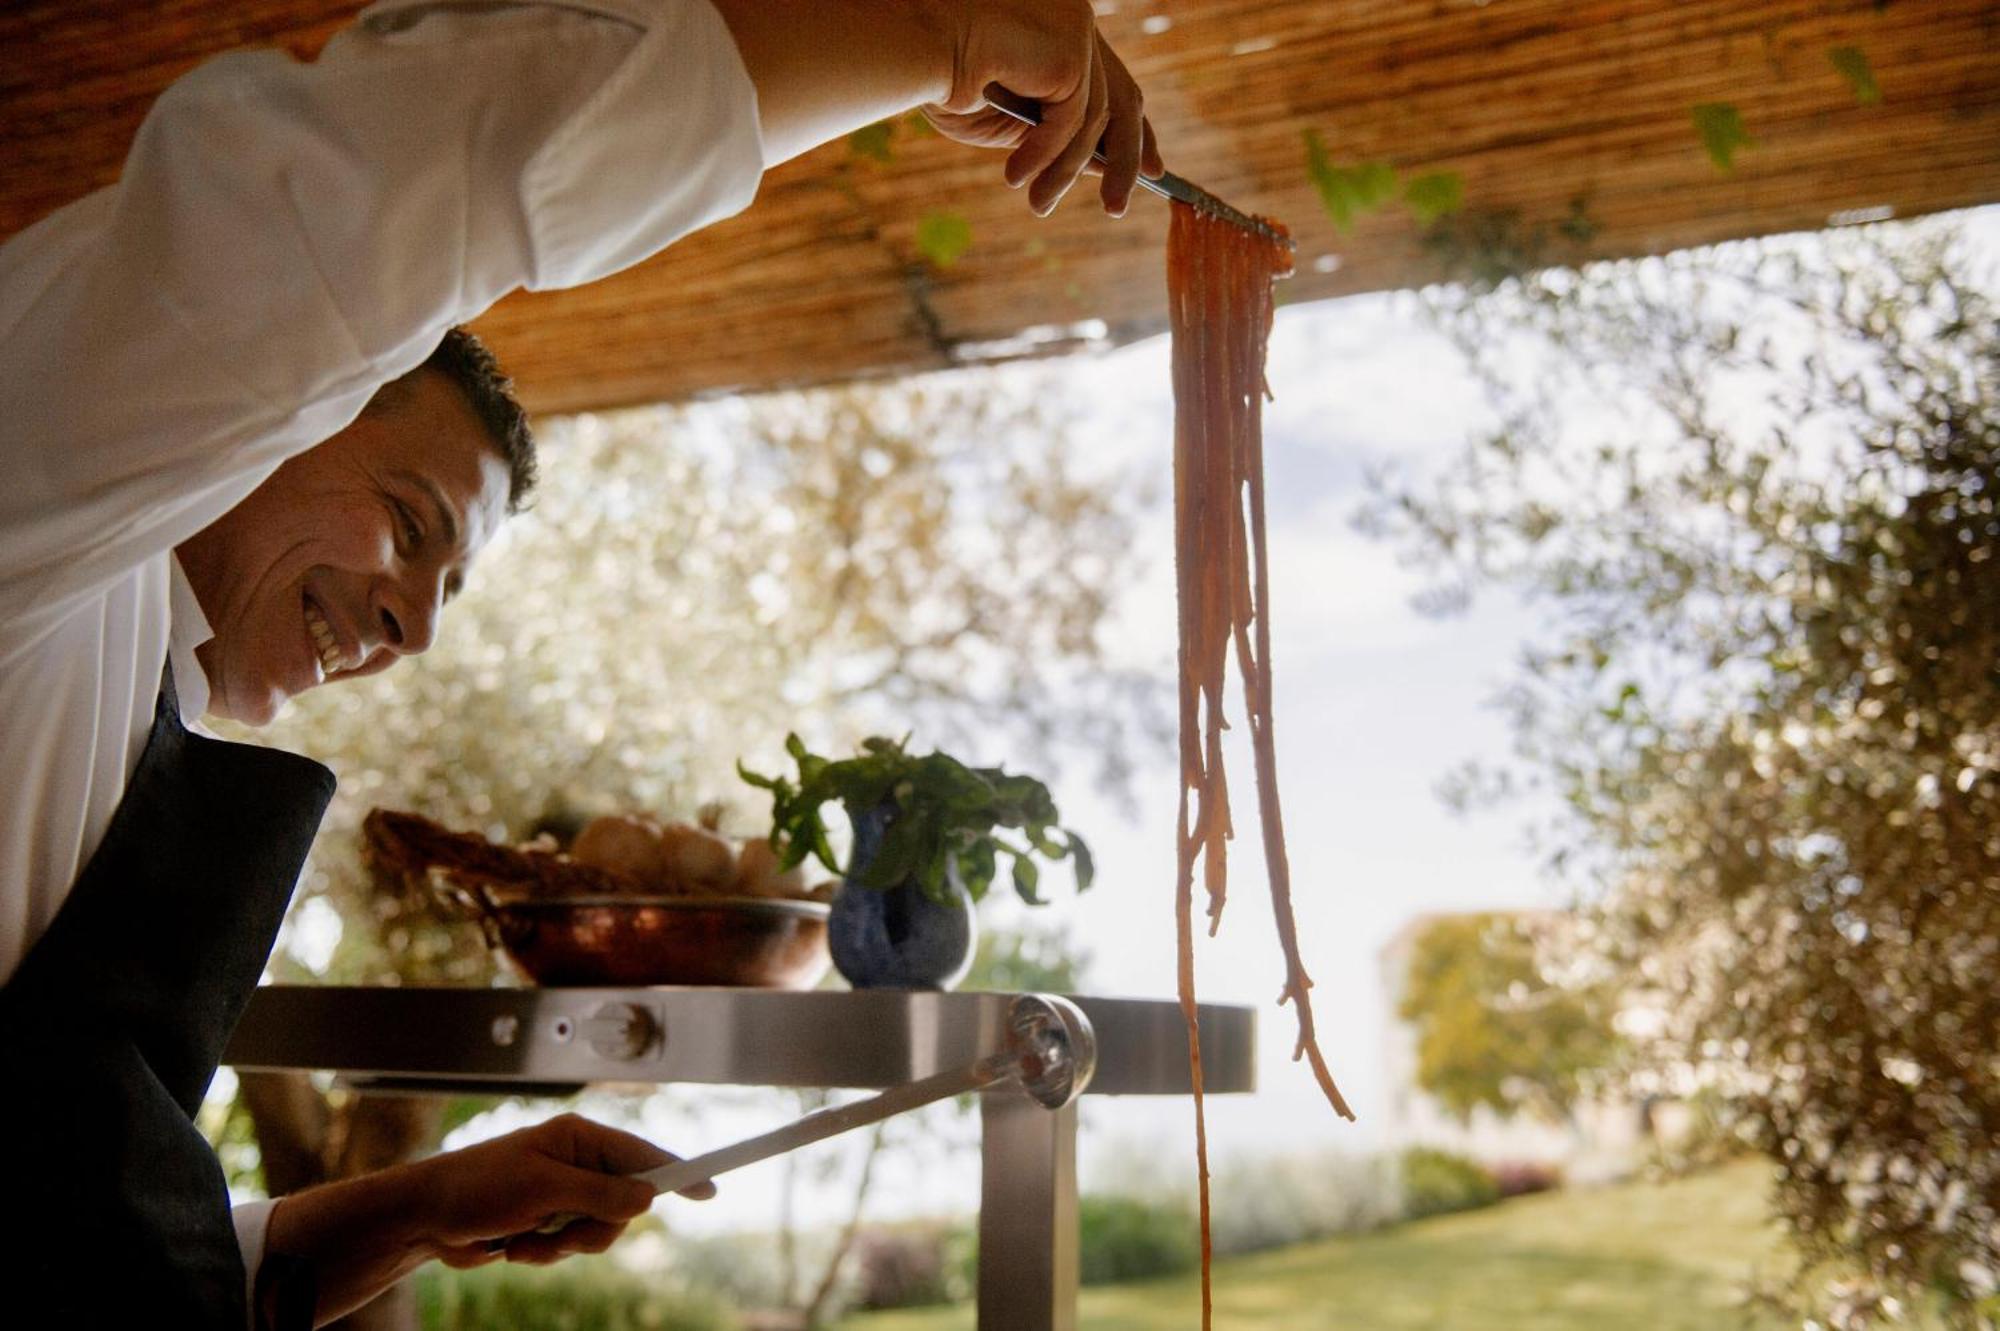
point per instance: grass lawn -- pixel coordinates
(1650, 1257)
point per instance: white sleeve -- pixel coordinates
(286, 237)
(253, 1222)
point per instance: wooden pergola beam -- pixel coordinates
(1561, 118)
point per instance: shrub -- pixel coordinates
(1267, 1202)
(909, 1266)
(1123, 1238)
(741, 1270)
(1517, 1178)
(580, 1295)
(1435, 1182)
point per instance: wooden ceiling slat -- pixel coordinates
(1536, 104)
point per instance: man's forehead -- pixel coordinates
(433, 440)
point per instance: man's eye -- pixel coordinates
(413, 535)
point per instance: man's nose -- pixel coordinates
(408, 613)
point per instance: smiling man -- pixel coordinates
(246, 455)
(341, 562)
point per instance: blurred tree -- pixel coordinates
(1494, 1026)
(1755, 488)
(691, 584)
(1028, 957)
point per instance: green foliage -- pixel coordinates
(233, 1135)
(1767, 697)
(876, 143)
(871, 143)
(1346, 192)
(916, 1264)
(583, 1294)
(1720, 125)
(1437, 1182)
(1483, 247)
(1123, 1238)
(1493, 1026)
(1853, 65)
(1030, 959)
(1278, 1200)
(1434, 196)
(1645, 1256)
(943, 238)
(1119, 1239)
(944, 816)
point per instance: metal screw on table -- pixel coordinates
(622, 1031)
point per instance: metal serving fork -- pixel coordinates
(1167, 186)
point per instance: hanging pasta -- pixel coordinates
(1219, 290)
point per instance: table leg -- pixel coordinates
(1027, 1216)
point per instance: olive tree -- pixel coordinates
(1499, 1021)
(1754, 491)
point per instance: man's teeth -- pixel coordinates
(323, 639)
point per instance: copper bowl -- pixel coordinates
(622, 939)
(565, 923)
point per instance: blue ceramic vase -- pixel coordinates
(897, 938)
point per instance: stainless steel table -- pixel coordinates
(523, 1041)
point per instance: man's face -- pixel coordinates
(341, 562)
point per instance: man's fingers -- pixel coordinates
(465, 1256)
(1124, 136)
(568, 1189)
(985, 128)
(1151, 164)
(536, 1249)
(1064, 116)
(1040, 146)
(607, 1150)
(1055, 180)
(623, 1154)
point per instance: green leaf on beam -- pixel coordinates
(943, 238)
(1853, 66)
(1435, 196)
(1720, 125)
(1346, 192)
(871, 142)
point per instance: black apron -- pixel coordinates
(115, 1021)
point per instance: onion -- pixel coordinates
(624, 845)
(698, 861)
(757, 873)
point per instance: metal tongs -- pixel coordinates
(1167, 186)
(1050, 1051)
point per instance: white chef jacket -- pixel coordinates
(286, 238)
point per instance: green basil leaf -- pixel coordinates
(1026, 878)
(1086, 867)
